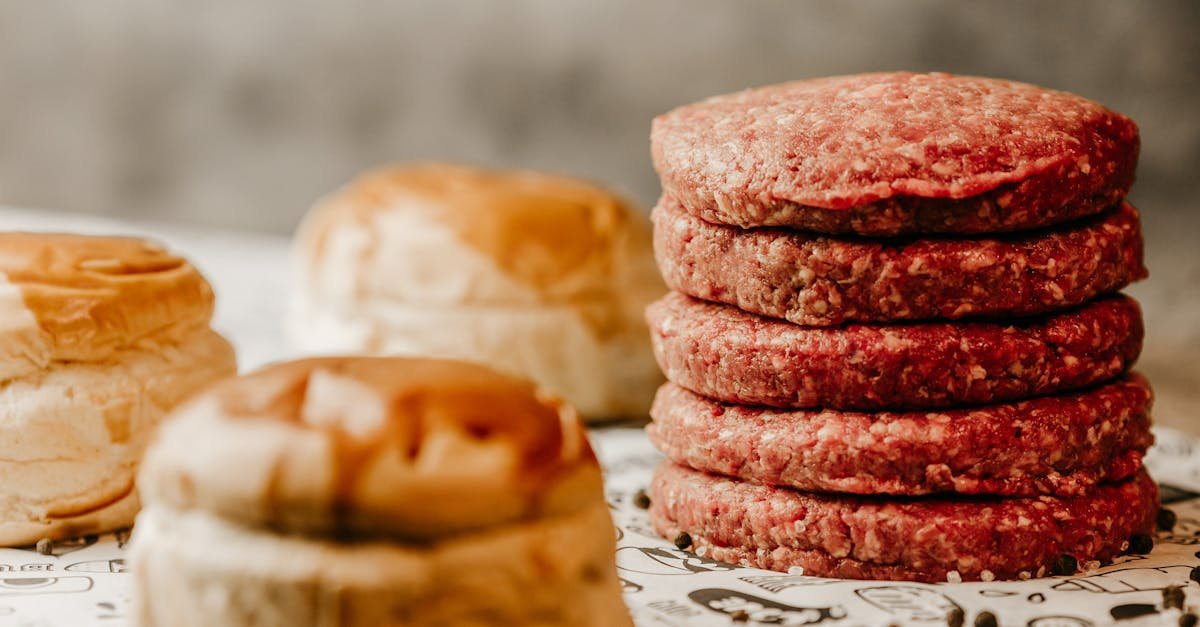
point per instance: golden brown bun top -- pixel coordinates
(90, 295)
(403, 447)
(544, 230)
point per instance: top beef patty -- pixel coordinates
(895, 153)
(823, 280)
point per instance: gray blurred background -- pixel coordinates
(239, 114)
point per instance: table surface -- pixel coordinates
(85, 583)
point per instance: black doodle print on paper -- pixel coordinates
(909, 603)
(1186, 532)
(1036, 597)
(25, 586)
(107, 610)
(639, 527)
(1185, 540)
(1132, 610)
(614, 498)
(99, 566)
(673, 608)
(629, 587)
(1139, 579)
(656, 561)
(779, 583)
(1121, 560)
(763, 611)
(58, 548)
(1179, 448)
(1059, 621)
(1169, 494)
(996, 594)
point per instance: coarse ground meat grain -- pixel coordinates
(924, 539)
(820, 280)
(895, 153)
(1062, 445)
(738, 357)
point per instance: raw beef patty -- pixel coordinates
(821, 280)
(895, 153)
(1061, 445)
(730, 355)
(928, 539)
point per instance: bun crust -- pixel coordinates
(374, 491)
(558, 236)
(414, 449)
(538, 275)
(467, 248)
(99, 338)
(89, 296)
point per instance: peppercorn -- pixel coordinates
(44, 547)
(985, 619)
(955, 617)
(683, 540)
(1065, 565)
(641, 500)
(1166, 519)
(1172, 597)
(1140, 544)
(740, 616)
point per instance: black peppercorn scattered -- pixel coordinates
(955, 617)
(1140, 544)
(1172, 597)
(44, 547)
(1166, 519)
(641, 500)
(1187, 620)
(1065, 565)
(740, 616)
(985, 619)
(683, 541)
(1195, 574)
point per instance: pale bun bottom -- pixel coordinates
(606, 374)
(116, 515)
(72, 434)
(191, 568)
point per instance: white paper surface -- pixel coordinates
(86, 583)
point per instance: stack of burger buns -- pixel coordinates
(99, 338)
(374, 491)
(895, 347)
(538, 275)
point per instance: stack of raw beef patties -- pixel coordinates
(895, 347)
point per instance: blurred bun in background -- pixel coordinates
(372, 492)
(536, 274)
